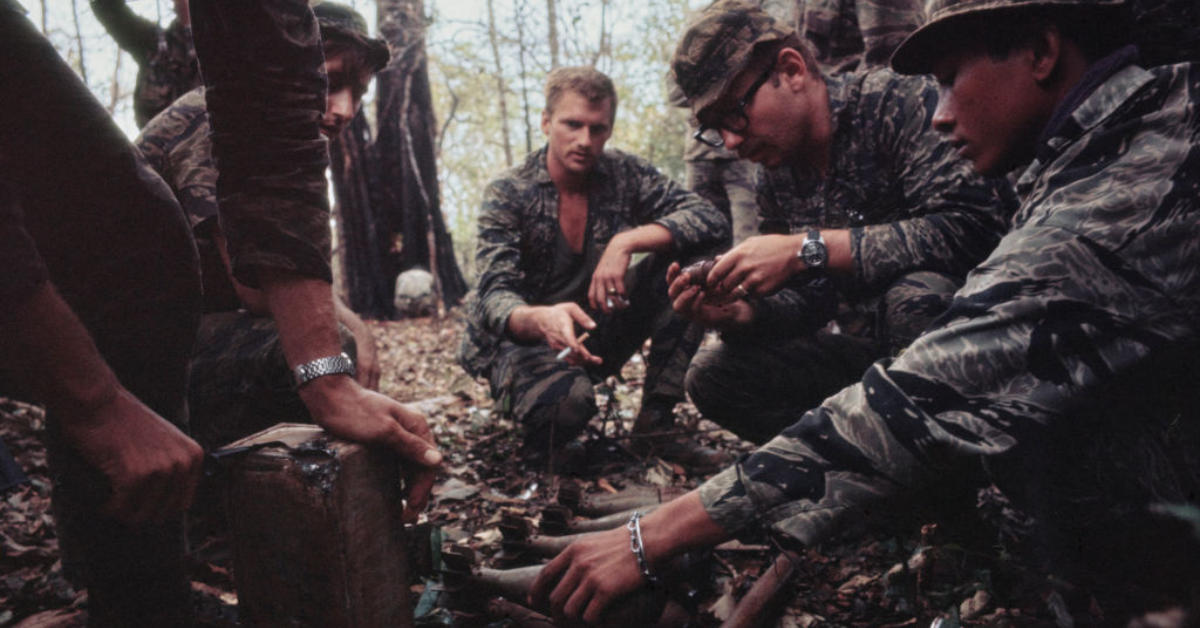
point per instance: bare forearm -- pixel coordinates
(303, 310)
(679, 526)
(523, 324)
(644, 239)
(58, 360)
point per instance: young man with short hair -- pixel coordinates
(1065, 370)
(557, 235)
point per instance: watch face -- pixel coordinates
(813, 253)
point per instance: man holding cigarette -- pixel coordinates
(557, 235)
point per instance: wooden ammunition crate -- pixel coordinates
(317, 536)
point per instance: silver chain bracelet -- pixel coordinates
(639, 551)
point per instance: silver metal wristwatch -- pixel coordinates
(813, 252)
(331, 365)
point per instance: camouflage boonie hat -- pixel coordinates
(718, 46)
(339, 20)
(918, 52)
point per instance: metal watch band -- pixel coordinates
(331, 365)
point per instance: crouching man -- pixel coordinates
(1064, 370)
(557, 235)
(240, 381)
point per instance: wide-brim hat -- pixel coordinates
(718, 46)
(339, 20)
(921, 48)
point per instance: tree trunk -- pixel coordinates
(552, 35)
(79, 41)
(409, 203)
(114, 96)
(501, 88)
(519, 19)
(364, 240)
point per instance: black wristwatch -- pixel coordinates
(813, 252)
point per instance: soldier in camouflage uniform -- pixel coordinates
(1065, 370)
(266, 93)
(851, 165)
(556, 236)
(240, 381)
(166, 60)
(99, 301)
(845, 35)
(850, 35)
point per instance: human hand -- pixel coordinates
(151, 466)
(582, 582)
(758, 266)
(347, 410)
(366, 367)
(691, 300)
(555, 325)
(607, 290)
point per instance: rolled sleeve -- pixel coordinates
(263, 68)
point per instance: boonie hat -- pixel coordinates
(718, 46)
(339, 20)
(919, 50)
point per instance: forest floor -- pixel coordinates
(943, 573)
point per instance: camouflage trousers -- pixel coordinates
(119, 251)
(554, 400)
(730, 185)
(240, 382)
(755, 386)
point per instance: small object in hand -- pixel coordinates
(612, 290)
(698, 272)
(741, 291)
(567, 351)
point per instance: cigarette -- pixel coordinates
(567, 351)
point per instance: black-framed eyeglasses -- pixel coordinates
(734, 120)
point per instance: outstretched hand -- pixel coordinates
(347, 410)
(583, 581)
(555, 326)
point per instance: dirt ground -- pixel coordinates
(944, 573)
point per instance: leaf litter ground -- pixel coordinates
(945, 573)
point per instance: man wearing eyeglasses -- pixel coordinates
(876, 219)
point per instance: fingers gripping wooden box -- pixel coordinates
(317, 535)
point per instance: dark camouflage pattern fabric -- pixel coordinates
(554, 400)
(1065, 368)
(754, 384)
(166, 59)
(731, 186)
(718, 46)
(338, 21)
(518, 230)
(176, 144)
(919, 219)
(265, 104)
(518, 225)
(80, 208)
(1166, 31)
(910, 203)
(846, 35)
(945, 21)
